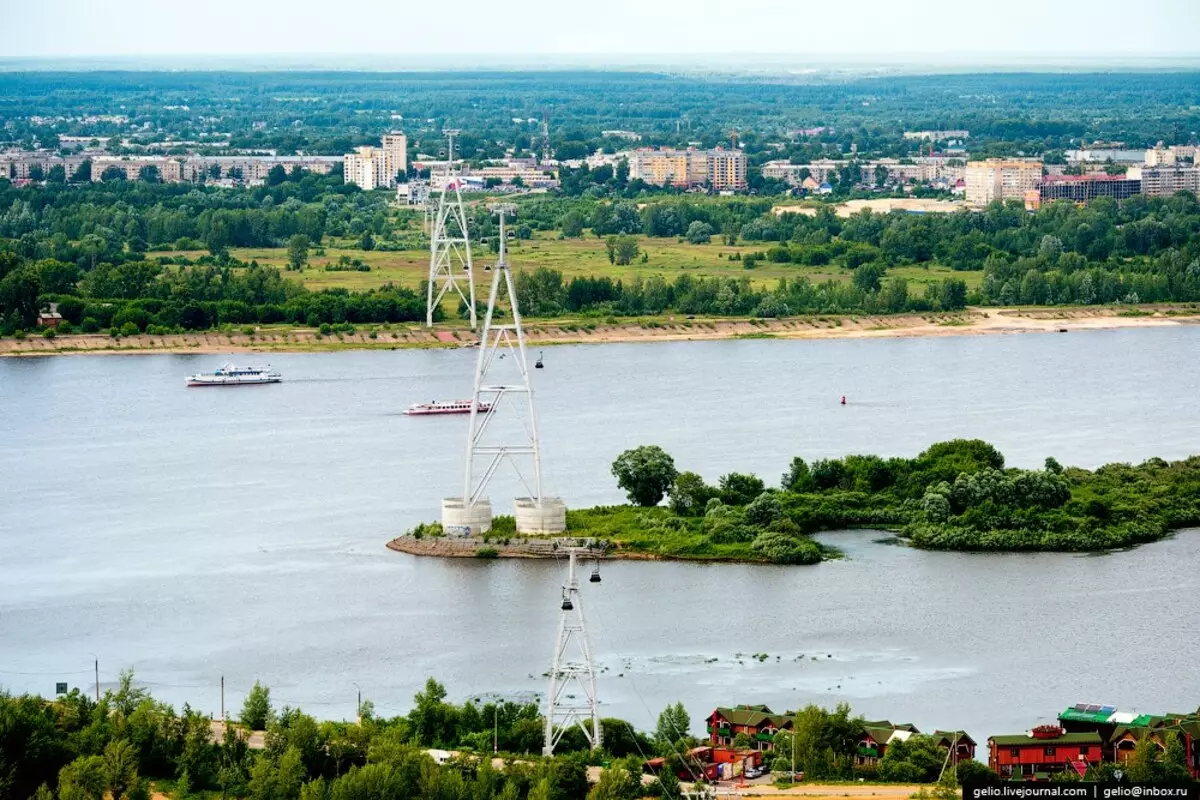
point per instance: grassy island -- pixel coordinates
(956, 495)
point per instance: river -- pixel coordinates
(194, 534)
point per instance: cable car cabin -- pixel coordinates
(1038, 754)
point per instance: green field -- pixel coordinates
(580, 257)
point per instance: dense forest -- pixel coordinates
(955, 495)
(126, 744)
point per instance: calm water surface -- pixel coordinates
(195, 534)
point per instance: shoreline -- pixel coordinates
(969, 322)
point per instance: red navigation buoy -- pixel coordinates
(843, 399)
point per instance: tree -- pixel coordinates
(113, 173)
(797, 478)
(276, 175)
(256, 710)
(690, 494)
(120, 768)
(57, 174)
(297, 249)
(367, 242)
(83, 779)
(621, 781)
(699, 232)
(572, 224)
(742, 740)
(673, 724)
(868, 277)
(645, 473)
(149, 174)
(19, 296)
(738, 489)
(627, 250)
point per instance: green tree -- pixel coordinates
(797, 478)
(699, 232)
(645, 473)
(84, 778)
(626, 250)
(367, 242)
(572, 224)
(297, 250)
(690, 494)
(621, 781)
(673, 724)
(19, 291)
(256, 710)
(868, 277)
(120, 768)
(739, 489)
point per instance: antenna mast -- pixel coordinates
(472, 512)
(449, 243)
(572, 696)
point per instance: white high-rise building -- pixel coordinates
(395, 144)
(376, 167)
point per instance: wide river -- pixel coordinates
(194, 534)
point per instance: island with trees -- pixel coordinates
(955, 495)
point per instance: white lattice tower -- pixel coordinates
(449, 244)
(571, 699)
(501, 384)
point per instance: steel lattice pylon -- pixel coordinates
(449, 244)
(572, 696)
(493, 339)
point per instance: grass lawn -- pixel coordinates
(579, 257)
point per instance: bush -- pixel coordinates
(129, 329)
(89, 325)
(48, 333)
(487, 552)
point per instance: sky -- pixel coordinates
(614, 31)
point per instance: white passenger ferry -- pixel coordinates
(445, 407)
(229, 375)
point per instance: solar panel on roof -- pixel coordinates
(1108, 709)
(1080, 706)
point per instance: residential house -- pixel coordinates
(959, 744)
(1043, 751)
(876, 738)
(757, 722)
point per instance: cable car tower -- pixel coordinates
(449, 243)
(471, 513)
(572, 696)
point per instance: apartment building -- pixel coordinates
(1085, 188)
(376, 167)
(935, 136)
(1165, 181)
(724, 170)
(1001, 179)
(914, 170)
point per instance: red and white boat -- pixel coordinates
(445, 407)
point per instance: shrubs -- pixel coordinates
(487, 552)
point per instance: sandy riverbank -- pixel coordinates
(972, 321)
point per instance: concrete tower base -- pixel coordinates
(549, 516)
(459, 519)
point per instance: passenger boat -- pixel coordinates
(445, 407)
(229, 375)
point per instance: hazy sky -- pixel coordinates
(807, 30)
